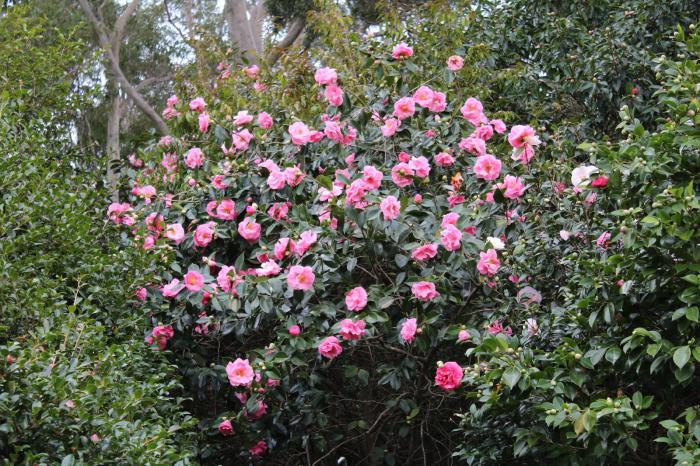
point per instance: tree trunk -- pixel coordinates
(241, 32)
(113, 148)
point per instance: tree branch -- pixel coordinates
(113, 61)
(293, 32)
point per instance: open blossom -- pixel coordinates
(390, 126)
(249, 230)
(443, 159)
(425, 252)
(564, 234)
(488, 263)
(372, 177)
(523, 140)
(194, 157)
(242, 118)
(160, 336)
(425, 291)
(198, 105)
(600, 182)
(175, 232)
(498, 125)
(487, 167)
(284, 247)
(258, 449)
(404, 108)
(402, 175)
(252, 71)
(356, 299)
(512, 187)
(420, 166)
(118, 213)
(204, 121)
(330, 348)
(496, 243)
(300, 277)
(473, 111)
(265, 120)
(240, 372)
(226, 210)
(355, 194)
(300, 133)
(603, 239)
(408, 330)
(350, 330)
(306, 239)
(227, 278)
(463, 336)
(449, 376)
(473, 145)
(225, 428)
(455, 63)
(451, 238)
(278, 210)
(496, 327)
(438, 103)
(141, 294)
(401, 50)
(390, 208)
(173, 288)
(269, 269)
(450, 218)
(582, 174)
(241, 139)
(334, 95)
(276, 180)
(203, 234)
(483, 132)
(193, 281)
(325, 76)
(423, 96)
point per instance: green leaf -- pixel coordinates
(681, 356)
(511, 376)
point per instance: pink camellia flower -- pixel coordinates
(600, 182)
(160, 336)
(316, 136)
(218, 182)
(204, 121)
(512, 187)
(252, 71)
(278, 211)
(334, 95)
(390, 126)
(149, 242)
(141, 294)
(420, 166)
(451, 238)
(473, 111)
(175, 232)
(483, 132)
(390, 207)
(194, 158)
(408, 330)
(225, 428)
(350, 330)
(449, 376)
(241, 139)
(402, 175)
(450, 218)
(443, 159)
(418, 198)
(211, 208)
(564, 234)
(94, 438)
(487, 167)
(356, 299)
(258, 449)
(401, 50)
(603, 240)
(325, 76)
(330, 348)
(439, 103)
(227, 278)
(496, 327)
(242, 118)
(590, 199)
(300, 277)
(226, 210)
(294, 330)
(249, 230)
(284, 248)
(523, 139)
(488, 263)
(259, 87)
(293, 175)
(203, 234)
(276, 180)
(498, 126)
(474, 145)
(261, 408)
(173, 288)
(193, 281)
(463, 336)
(265, 120)
(423, 96)
(198, 105)
(307, 239)
(425, 291)
(372, 177)
(117, 213)
(300, 133)
(268, 269)
(240, 373)
(425, 252)
(355, 194)
(404, 108)
(172, 101)
(455, 63)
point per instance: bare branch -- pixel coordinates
(129, 89)
(120, 23)
(293, 32)
(172, 23)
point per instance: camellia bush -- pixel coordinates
(407, 276)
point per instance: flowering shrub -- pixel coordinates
(340, 284)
